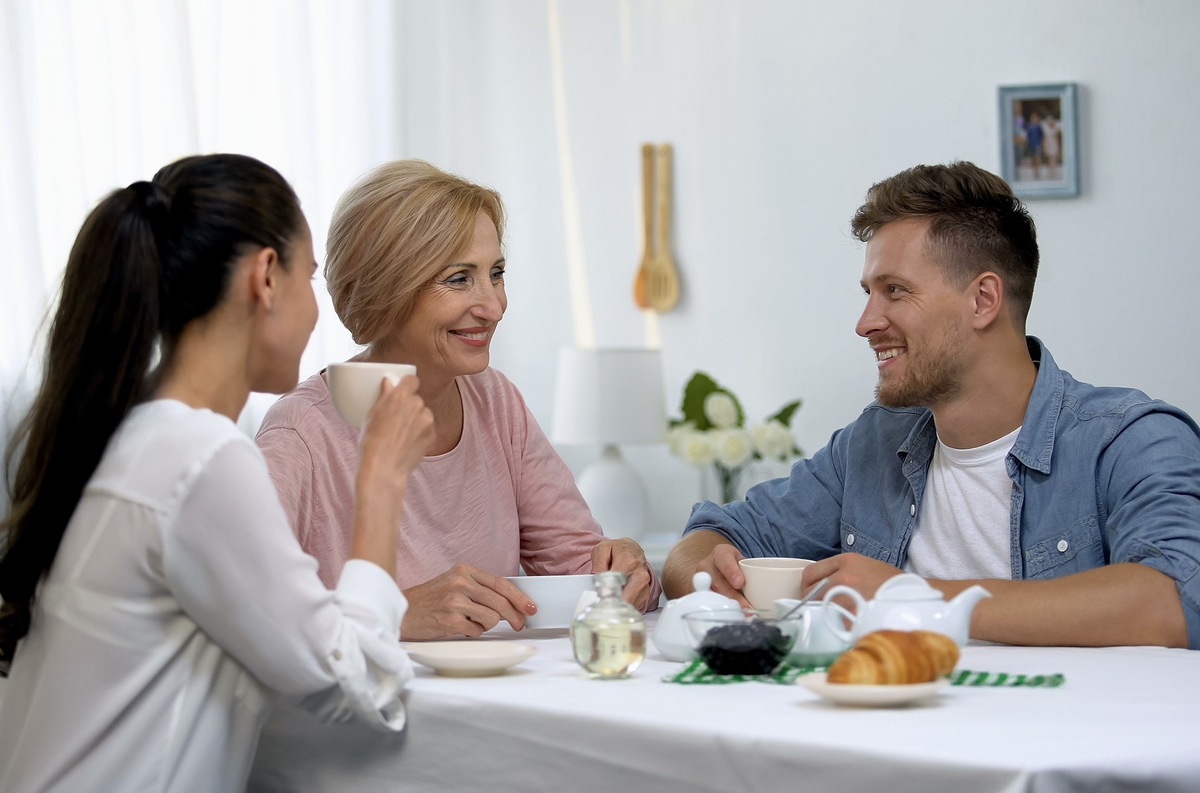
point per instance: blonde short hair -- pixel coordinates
(391, 233)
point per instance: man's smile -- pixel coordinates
(882, 356)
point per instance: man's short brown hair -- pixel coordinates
(975, 224)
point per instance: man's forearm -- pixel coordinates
(1120, 604)
(685, 557)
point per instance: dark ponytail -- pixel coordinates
(149, 259)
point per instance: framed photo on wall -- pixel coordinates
(1039, 140)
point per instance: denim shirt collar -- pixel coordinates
(1035, 444)
(917, 448)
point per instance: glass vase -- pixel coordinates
(722, 484)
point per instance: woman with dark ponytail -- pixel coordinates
(155, 599)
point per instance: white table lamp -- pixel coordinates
(611, 397)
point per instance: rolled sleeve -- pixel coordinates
(367, 660)
(1183, 570)
(1151, 477)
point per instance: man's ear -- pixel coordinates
(263, 274)
(988, 298)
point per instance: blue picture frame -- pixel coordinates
(1039, 140)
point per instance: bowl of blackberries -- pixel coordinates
(739, 642)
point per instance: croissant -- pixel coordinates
(896, 657)
(943, 651)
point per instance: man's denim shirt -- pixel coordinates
(1100, 475)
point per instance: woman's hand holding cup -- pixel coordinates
(395, 437)
(398, 430)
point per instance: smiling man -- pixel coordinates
(980, 462)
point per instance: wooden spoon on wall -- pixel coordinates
(639, 282)
(662, 281)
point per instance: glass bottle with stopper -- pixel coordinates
(609, 636)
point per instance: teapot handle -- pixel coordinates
(830, 612)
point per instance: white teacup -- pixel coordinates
(354, 386)
(770, 578)
(816, 644)
(555, 596)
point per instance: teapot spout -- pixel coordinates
(968, 598)
(959, 611)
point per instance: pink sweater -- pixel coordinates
(501, 500)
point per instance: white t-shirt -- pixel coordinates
(178, 608)
(963, 530)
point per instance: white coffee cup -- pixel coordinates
(770, 578)
(354, 386)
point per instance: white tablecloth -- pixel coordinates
(1126, 719)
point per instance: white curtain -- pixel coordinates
(95, 94)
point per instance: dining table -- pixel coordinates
(1119, 718)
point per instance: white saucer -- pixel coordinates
(870, 696)
(469, 659)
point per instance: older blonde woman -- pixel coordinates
(415, 267)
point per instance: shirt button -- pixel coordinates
(912, 510)
(337, 655)
(849, 539)
(1063, 545)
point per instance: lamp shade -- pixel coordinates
(609, 396)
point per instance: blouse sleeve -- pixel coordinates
(558, 531)
(237, 570)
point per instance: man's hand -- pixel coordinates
(727, 577)
(628, 557)
(709, 552)
(861, 573)
(463, 601)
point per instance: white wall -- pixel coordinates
(782, 115)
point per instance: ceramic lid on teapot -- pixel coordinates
(907, 587)
(704, 599)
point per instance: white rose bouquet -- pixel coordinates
(713, 432)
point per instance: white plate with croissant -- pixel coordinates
(887, 668)
(870, 696)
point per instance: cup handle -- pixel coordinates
(830, 615)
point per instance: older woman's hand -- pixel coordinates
(463, 601)
(628, 557)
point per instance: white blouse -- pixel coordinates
(178, 609)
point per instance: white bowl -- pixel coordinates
(554, 595)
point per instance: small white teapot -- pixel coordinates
(671, 634)
(907, 602)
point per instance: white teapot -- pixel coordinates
(671, 634)
(907, 602)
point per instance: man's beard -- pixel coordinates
(937, 380)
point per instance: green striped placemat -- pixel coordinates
(967, 677)
(697, 672)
